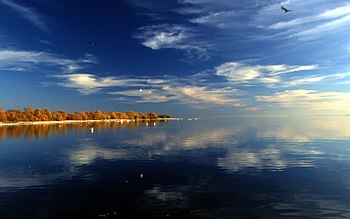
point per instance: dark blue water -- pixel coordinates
(208, 168)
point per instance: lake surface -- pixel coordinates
(208, 168)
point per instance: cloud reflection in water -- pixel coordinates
(231, 144)
(278, 166)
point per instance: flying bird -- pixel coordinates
(285, 9)
(92, 43)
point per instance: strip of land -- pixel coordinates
(80, 121)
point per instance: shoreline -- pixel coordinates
(79, 121)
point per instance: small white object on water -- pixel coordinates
(140, 90)
(92, 129)
(141, 175)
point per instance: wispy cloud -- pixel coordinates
(27, 13)
(21, 60)
(220, 19)
(344, 82)
(309, 99)
(317, 78)
(151, 89)
(197, 95)
(237, 72)
(307, 26)
(230, 28)
(276, 76)
(90, 84)
(172, 36)
(163, 36)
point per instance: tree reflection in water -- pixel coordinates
(45, 130)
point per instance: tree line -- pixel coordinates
(29, 114)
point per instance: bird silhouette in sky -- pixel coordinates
(91, 43)
(285, 9)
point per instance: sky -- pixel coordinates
(181, 57)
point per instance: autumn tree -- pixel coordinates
(74, 116)
(98, 115)
(113, 115)
(11, 115)
(2, 115)
(30, 114)
(152, 115)
(42, 115)
(133, 115)
(165, 116)
(143, 116)
(57, 116)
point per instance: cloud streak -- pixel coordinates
(173, 36)
(151, 89)
(307, 27)
(28, 14)
(309, 99)
(21, 60)
(241, 73)
(89, 84)
(163, 36)
(200, 91)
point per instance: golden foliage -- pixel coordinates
(31, 115)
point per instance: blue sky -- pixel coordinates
(182, 57)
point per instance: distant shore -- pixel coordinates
(79, 121)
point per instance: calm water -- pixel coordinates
(208, 168)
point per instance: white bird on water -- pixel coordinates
(92, 129)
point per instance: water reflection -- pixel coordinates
(307, 129)
(269, 156)
(88, 152)
(241, 167)
(41, 130)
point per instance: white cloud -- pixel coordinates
(156, 37)
(220, 19)
(197, 94)
(28, 14)
(310, 99)
(174, 36)
(306, 80)
(146, 96)
(337, 12)
(344, 82)
(292, 23)
(89, 84)
(268, 74)
(234, 71)
(307, 26)
(324, 28)
(152, 89)
(273, 75)
(26, 60)
(315, 78)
